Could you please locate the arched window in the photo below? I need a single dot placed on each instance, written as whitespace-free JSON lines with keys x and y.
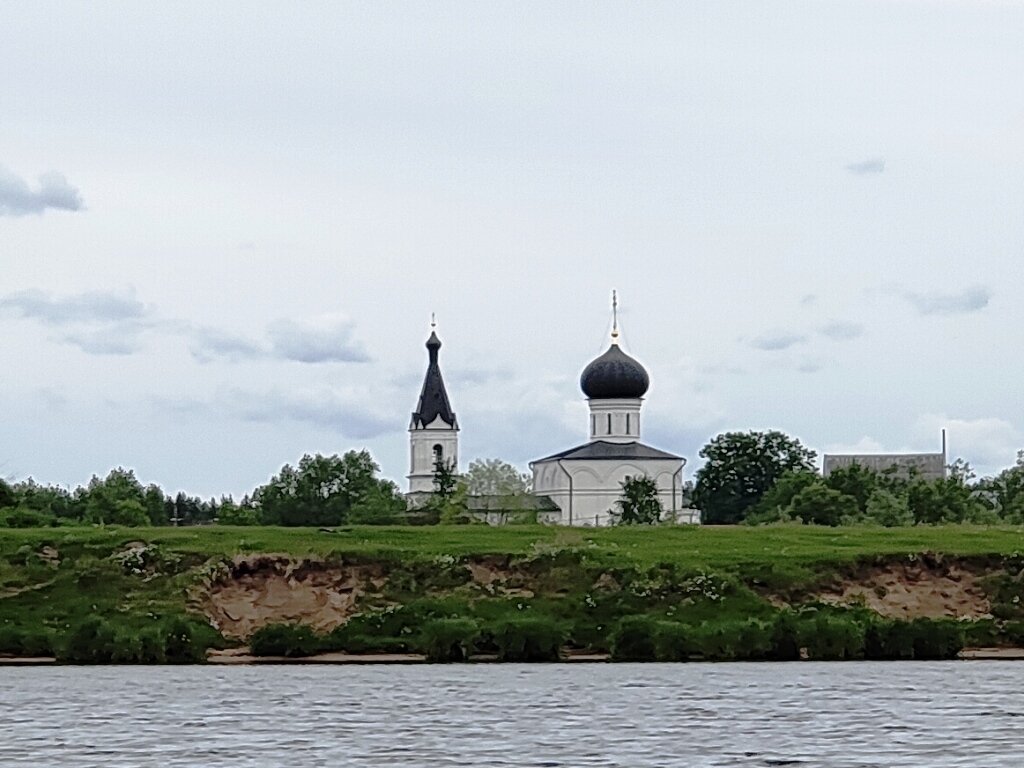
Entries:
{"x":609,"y":423}
{"x":627,"y":425}
{"x":438,"y":453}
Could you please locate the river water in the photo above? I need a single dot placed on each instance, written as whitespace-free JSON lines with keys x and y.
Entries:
{"x":926,"y":715}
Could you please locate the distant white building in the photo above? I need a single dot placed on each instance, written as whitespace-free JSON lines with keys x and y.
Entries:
{"x":433,"y":430}
{"x":585,"y":482}
{"x":578,"y":486}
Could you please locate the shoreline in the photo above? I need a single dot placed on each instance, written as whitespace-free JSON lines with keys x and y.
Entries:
{"x":242,"y":657}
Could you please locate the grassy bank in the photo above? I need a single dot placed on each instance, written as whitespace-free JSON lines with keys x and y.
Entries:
{"x":518,"y":592}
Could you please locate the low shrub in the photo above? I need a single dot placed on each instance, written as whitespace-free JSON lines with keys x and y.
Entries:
{"x":635,"y":639}
{"x":785,"y":637}
{"x":289,"y":640}
{"x":528,"y":638}
{"x":182,"y":642}
{"x":833,"y":637}
{"x":91,"y":641}
{"x":448,"y":639}
{"x":936,"y":638}
{"x":675,"y":642}
{"x":17,"y":641}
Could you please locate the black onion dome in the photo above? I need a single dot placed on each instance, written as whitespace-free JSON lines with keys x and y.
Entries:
{"x":614,"y":375}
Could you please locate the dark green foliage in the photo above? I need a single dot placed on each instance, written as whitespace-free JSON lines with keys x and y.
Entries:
{"x":93,"y":641}
{"x":96,"y":641}
{"x":676,"y":642}
{"x":936,"y":639}
{"x":25,"y":642}
{"x":740,"y":468}
{"x":785,"y":637}
{"x":635,"y":639}
{"x":639,"y":503}
{"x":528,"y":638}
{"x":833,"y":637}
{"x":774,"y":505}
{"x":326,"y":490}
{"x":292,"y":640}
{"x":22,"y":517}
{"x":449,"y":639}
{"x":818,"y":504}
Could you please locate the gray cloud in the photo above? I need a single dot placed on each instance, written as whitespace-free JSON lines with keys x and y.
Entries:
{"x":112,"y":340}
{"x":88,"y":307}
{"x":867,"y":167}
{"x":775,"y":342}
{"x":840,"y":331}
{"x":969,"y":300}
{"x":208,"y":344}
{"x":17,"y":198}
{"x":321,"y":341}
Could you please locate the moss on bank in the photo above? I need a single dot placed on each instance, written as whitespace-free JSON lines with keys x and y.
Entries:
{"x":515,"y":593}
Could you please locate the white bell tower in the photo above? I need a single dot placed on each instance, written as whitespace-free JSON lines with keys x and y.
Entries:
{"x":434,"y":430}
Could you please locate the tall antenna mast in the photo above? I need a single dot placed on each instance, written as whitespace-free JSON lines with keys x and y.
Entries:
{"x":615,"y":317}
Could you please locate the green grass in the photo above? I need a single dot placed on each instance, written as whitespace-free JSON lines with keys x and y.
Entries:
{"x":712,"y":547}
{"x":651,"y":566}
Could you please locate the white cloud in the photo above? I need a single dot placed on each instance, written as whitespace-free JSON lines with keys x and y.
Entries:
{"x":776,"y":342}
{"x":328,"y":338}
{"x":867,"y":167}
{"x":17,"y":198}
{"x":87,"y":307}
{"x":968,"y":300}
{"x":988,"y":443}
{"x":841,"y":331}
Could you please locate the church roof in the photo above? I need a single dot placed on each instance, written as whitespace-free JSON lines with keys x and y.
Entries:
{"x":608,"y":451}
{"x":614,"y":375}
{"x":433,"y":401}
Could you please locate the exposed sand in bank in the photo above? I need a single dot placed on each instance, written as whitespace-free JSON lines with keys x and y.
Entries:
{"x":920,"y":587}
{"x":257,"y":590}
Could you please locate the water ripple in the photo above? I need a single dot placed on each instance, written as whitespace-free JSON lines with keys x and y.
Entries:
{"x":804,"y":715}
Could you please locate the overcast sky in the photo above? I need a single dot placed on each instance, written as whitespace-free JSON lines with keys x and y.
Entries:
{"x":223,"y":227}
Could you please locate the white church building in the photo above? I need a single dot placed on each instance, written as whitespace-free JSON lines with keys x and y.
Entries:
{"x":578,"y":486}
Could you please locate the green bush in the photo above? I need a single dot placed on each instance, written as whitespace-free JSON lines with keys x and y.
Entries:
{"x":449,"y":639}
{"x":936,"y":638}
{"x":888,"y":640}
{"x":785,"y":637}
{"x":182,"y":642}
{"x":528,"y":638}
{"x":735,"y":640}
{"x":675,"y":642}
{"x":25,"y":642}
{"x":289,"y":640}
{"x":634,"y":639}
{"x":834,"y":637}
{"x":92,"y":641}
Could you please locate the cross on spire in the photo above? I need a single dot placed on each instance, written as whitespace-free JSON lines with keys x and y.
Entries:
{"x":615,"y":317}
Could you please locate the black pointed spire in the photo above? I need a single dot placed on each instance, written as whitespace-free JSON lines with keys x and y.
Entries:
{"x":433,"y":397}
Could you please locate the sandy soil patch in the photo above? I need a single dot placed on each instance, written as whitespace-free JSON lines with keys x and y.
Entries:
{"x":907,"y":590}
{"x":267,"y":589}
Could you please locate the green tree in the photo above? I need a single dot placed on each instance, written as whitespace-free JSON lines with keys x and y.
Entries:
{"x":820,"y":505}
{"x":639,"y":503}
{"x":740,"y":468}
{"x":117,"y":499}
{"x":7,"y":497}
{"x":494,"y":477}
{"x":774,"y":505}
{"x":322,"y":490}
{"x":888,"y":509}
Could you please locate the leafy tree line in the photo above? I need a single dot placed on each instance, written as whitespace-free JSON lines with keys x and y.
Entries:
{"x":318,"y":491}
{"x":764,"y":477}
